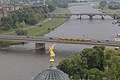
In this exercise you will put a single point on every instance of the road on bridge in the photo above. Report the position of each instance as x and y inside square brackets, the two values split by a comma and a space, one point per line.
[42, 39]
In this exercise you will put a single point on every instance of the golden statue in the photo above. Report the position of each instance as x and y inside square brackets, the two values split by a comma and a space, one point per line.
[52, 54]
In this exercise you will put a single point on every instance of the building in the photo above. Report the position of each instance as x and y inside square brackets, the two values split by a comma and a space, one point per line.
[2, 10]
[12, 7]
[52, 73]
[117, 38]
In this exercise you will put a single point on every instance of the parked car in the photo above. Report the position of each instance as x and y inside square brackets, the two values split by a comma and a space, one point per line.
[50, 38]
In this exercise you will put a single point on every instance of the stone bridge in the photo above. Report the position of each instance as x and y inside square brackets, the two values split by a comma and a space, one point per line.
[91, 15]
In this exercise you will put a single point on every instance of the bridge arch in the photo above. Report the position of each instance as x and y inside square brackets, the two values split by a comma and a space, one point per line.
[86, 15]
[91, 16]
[99, 16]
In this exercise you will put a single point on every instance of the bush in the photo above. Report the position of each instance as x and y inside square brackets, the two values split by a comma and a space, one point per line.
[21, 32]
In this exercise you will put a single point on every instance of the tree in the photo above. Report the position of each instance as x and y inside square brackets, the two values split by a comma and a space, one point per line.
[109, 53]
[64, 65]
[15, 19]
[22, 24]
[51, 8]
[6, 22]
[21, 32]
[75, 67]
[95, 57]
[90, 64]
[113, 72]
[103, 3]
[95, 74]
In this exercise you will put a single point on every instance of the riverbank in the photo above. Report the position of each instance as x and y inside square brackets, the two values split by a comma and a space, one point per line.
[4, 44]
[81, 3]
[29, 28]
[41, 28]
[50, 25]
[106, 10]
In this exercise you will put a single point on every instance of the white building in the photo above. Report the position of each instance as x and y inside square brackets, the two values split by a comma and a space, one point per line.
[117, 38]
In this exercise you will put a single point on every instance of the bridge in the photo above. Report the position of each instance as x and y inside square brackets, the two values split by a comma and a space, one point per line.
[41, 40]
[91, 15]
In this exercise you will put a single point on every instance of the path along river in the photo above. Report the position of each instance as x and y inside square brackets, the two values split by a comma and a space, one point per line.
[20, 62]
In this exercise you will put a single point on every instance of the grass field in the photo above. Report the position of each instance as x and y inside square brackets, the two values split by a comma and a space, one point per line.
[50, 25]
[106, 10]
[46, 28]
[12, 30]
[61, 10]
[81, 3]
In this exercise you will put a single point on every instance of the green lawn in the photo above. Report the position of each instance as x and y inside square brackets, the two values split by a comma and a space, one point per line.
[6, 43]
[6, 31]
[61, 10]
[13, 30]
[73, 4]
[81, 3]
[48, 26]
[106, 10]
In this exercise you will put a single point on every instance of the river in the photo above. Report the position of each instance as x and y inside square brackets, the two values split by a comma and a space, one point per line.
[21, 62]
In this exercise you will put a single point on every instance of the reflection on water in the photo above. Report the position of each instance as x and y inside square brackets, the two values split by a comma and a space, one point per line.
[22, 62]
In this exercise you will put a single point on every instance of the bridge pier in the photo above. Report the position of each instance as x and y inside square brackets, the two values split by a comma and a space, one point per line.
[39, 46]
[91, 17]
[114, 17]
[102, 17]
[40, 51]
[80, 17]
[68, 16]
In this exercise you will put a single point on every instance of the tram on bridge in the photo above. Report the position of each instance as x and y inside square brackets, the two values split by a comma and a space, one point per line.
[76, 39]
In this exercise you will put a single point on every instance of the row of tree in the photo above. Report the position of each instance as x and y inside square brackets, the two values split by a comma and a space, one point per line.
[114, 5]
[111, 5]
[59, 3]
[29, 15]
[95, 63]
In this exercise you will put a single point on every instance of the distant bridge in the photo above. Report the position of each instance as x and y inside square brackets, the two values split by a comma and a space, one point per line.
[91, 15]
[40, 41]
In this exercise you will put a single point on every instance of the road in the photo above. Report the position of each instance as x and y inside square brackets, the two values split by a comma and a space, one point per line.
[42, 39]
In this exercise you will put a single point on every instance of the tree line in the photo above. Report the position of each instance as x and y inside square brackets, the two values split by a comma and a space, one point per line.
[59, 3]
[97, 63]
[31, 15]
[110, 5]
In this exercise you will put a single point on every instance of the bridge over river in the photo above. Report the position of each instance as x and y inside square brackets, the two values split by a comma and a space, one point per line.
[41, 40]
[91, 15]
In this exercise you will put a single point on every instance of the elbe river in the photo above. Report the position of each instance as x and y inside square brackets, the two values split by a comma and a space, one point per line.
[21, 62]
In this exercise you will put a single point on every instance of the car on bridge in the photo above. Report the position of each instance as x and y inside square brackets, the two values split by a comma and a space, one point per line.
[50, 38]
